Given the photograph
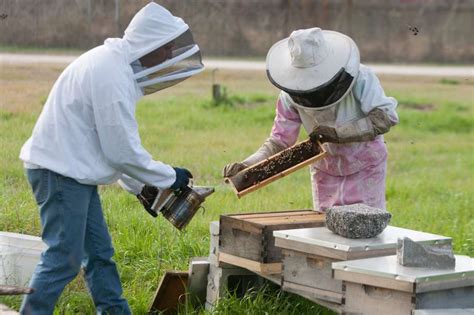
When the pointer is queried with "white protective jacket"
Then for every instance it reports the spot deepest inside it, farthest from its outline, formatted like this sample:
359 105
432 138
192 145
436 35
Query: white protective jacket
87 129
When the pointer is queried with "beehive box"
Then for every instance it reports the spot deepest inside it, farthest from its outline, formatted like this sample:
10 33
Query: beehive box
246 240
375 285
309 253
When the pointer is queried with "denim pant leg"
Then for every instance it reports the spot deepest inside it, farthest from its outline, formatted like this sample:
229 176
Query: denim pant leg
63 204
100 270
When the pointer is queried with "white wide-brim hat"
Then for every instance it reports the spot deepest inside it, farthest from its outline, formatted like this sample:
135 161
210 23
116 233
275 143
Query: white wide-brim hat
310 58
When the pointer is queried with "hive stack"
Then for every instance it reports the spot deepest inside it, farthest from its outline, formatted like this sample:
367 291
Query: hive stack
308 255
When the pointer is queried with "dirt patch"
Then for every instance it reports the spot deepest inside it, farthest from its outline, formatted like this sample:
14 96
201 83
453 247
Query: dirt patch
423 107
275 165
24 88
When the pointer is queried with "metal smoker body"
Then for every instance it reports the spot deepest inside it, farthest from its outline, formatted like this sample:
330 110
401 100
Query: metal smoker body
179 206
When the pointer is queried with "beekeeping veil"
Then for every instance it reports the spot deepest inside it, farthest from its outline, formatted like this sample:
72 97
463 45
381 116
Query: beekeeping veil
162 49
316 68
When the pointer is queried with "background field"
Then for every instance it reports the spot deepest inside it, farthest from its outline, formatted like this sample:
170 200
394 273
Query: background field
385 31
429 187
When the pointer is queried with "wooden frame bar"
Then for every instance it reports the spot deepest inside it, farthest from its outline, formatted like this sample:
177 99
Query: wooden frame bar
241 193
270 268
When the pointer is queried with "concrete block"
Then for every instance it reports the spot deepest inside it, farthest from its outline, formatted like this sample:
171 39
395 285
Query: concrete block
224 280
214 242
209 306
412 254
197 281
214 227
357 220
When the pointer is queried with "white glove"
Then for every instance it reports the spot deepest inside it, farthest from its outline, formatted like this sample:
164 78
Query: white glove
376 123
233 168
268 148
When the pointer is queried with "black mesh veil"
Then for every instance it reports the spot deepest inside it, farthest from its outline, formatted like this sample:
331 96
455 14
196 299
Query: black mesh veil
323 95
169 64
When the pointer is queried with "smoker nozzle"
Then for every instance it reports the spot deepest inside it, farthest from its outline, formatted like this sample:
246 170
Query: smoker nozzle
203 191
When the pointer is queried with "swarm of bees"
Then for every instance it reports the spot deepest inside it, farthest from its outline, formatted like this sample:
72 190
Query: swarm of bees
413 29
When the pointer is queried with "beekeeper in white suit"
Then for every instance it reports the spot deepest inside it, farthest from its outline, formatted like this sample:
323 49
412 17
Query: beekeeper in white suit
87 135
340 103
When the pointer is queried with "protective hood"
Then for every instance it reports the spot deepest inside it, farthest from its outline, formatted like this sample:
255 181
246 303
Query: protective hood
316 67
161 49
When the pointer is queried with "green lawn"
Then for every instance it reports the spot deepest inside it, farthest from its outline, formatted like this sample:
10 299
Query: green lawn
429 187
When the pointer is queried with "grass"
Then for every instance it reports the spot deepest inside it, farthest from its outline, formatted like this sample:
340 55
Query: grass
429 185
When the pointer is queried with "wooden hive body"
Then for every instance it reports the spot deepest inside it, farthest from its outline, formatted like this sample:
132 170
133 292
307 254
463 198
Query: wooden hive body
375 285
308 255
247 240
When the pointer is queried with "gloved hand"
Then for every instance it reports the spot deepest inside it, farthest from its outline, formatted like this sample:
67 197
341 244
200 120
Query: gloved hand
380 121
233 168
324 134
269 147
146 198
182 178
367 128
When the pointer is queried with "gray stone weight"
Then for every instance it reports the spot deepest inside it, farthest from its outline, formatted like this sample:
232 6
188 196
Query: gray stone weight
412 254
357 220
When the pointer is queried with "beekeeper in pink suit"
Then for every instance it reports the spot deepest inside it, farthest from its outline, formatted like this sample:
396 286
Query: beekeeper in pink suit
340 103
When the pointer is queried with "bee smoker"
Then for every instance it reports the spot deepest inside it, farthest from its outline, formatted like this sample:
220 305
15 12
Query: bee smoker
179 206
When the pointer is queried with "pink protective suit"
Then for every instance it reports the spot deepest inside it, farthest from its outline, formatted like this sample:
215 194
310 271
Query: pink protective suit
352 172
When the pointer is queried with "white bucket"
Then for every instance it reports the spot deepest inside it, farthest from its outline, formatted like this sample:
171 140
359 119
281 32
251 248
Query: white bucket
19 254
7 266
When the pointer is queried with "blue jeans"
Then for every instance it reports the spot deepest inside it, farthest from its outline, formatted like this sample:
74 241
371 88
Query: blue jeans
76 234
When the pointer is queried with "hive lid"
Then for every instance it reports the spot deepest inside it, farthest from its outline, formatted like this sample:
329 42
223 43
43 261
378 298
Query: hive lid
321 241
387 273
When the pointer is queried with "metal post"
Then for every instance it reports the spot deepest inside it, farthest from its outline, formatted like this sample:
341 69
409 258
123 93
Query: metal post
117 17
216 88
89 22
